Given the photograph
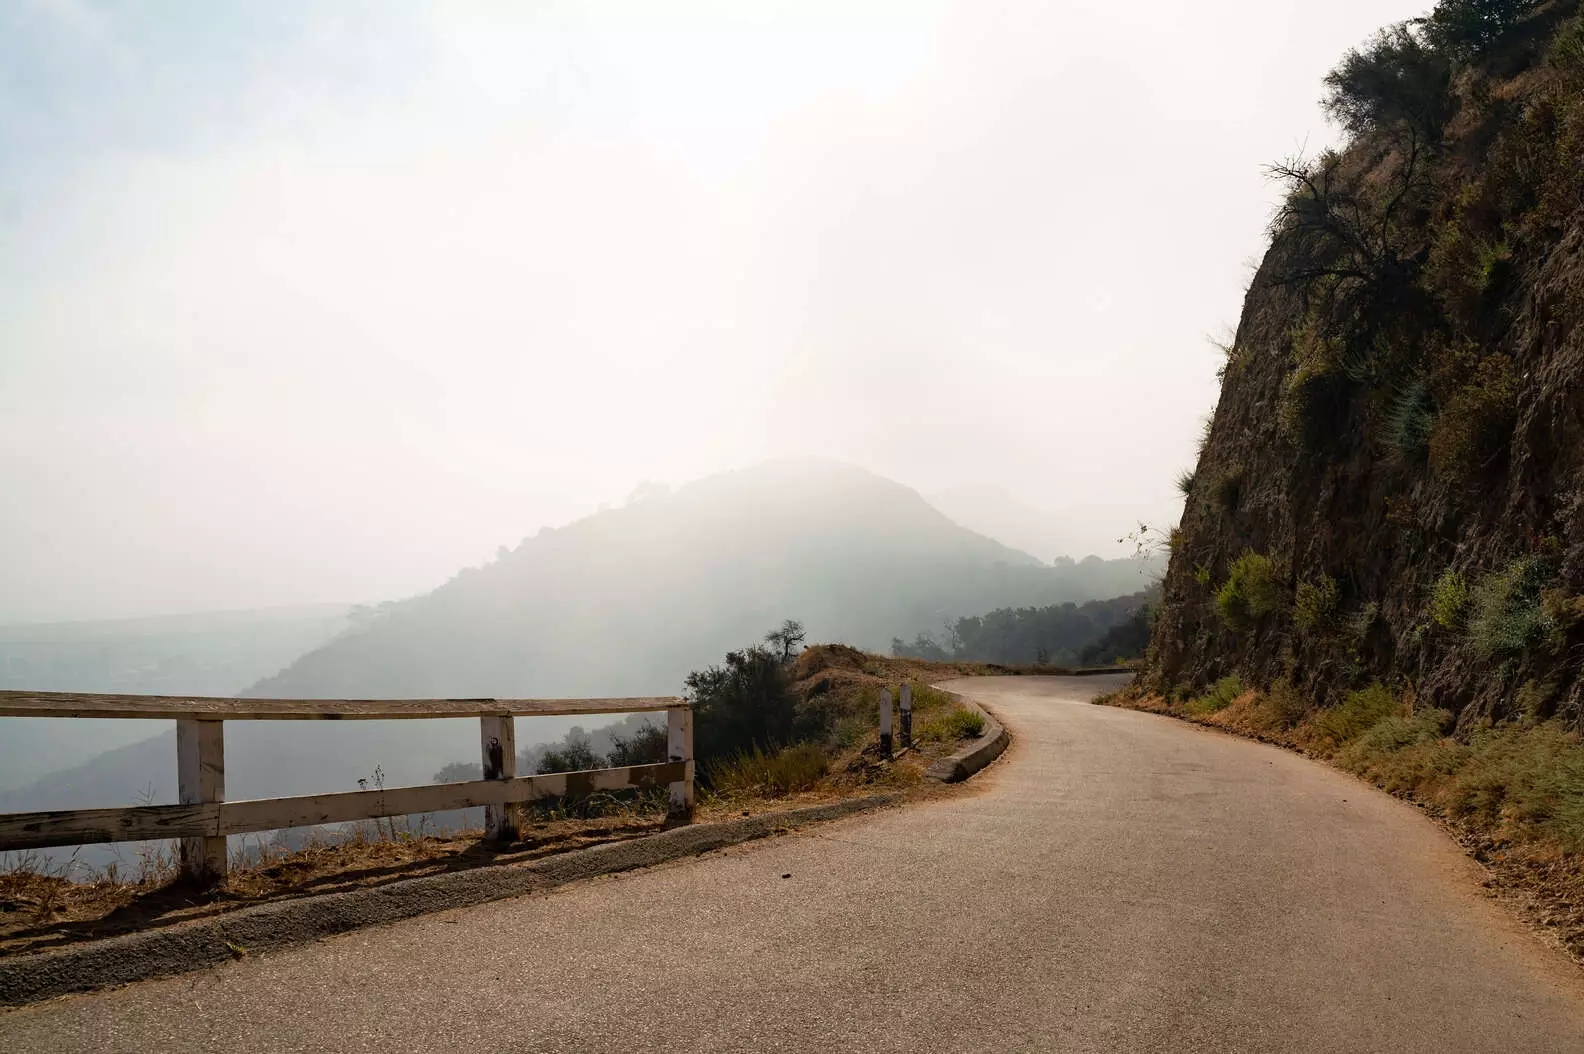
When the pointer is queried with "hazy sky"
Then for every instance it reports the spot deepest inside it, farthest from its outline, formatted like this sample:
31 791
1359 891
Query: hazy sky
310 301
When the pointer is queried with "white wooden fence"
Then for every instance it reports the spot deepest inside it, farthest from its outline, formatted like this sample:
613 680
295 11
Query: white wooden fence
204 818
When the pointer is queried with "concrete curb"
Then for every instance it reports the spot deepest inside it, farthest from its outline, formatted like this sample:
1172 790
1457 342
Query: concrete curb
970 759
270 927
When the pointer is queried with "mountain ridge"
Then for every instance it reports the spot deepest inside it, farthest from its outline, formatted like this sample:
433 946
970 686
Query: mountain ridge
855 556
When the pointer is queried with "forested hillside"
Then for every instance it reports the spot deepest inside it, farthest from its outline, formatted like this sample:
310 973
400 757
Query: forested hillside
1063 634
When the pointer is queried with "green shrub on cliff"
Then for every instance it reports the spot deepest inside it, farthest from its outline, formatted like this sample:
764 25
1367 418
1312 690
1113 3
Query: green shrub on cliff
1505 612
1410 420
1477 422
1250 592
1314 389
1314 605
1449 600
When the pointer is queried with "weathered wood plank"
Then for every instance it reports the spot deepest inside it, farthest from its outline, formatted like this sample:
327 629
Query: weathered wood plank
165 707
266 814
200 778
41 830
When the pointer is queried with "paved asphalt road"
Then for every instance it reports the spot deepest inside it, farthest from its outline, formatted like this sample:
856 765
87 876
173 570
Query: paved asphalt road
1117 882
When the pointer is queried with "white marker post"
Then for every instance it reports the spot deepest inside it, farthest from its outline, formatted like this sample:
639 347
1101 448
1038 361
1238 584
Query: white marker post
885 721
907 715
679 737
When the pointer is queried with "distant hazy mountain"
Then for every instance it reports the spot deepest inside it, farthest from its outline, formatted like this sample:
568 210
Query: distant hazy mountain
993 512
629 600
209 653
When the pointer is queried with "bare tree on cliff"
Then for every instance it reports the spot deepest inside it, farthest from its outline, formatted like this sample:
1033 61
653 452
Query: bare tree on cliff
789 638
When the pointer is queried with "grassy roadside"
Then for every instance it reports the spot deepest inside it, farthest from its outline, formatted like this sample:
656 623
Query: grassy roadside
49 906
1511 794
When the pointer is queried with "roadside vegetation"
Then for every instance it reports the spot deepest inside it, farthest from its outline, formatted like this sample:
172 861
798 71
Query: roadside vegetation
1513 793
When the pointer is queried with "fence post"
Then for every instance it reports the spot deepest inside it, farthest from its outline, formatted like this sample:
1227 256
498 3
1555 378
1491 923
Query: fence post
679 739
498 746
200 780
907 715
885 720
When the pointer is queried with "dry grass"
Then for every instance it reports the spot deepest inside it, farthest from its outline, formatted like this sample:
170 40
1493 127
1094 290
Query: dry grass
1513 794
774 773
952 726
41 907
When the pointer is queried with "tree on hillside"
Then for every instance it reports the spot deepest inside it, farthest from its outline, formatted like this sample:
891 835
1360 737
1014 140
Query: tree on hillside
1468 29
1056 633
1396 78
745 702
576 756
787 639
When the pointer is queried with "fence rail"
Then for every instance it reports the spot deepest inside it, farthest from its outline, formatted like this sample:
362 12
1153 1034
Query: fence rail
204 818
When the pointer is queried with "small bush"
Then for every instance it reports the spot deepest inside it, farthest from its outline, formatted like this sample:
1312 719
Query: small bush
1314 605
1478 419
1449 600
1533 700
1283 706
1505 612
1563 609
754 770
1219 697
1410 421
1567 48
1311 396
1250 592
1185 482
1358 713
952 726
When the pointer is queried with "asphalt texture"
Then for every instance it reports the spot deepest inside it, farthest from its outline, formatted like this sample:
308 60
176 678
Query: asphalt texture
1117 881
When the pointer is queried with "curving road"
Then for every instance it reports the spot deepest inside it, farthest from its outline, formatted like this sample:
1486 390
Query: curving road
1117 882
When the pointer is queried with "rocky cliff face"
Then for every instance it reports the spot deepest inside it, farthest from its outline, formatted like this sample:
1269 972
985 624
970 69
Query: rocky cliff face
1392 487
